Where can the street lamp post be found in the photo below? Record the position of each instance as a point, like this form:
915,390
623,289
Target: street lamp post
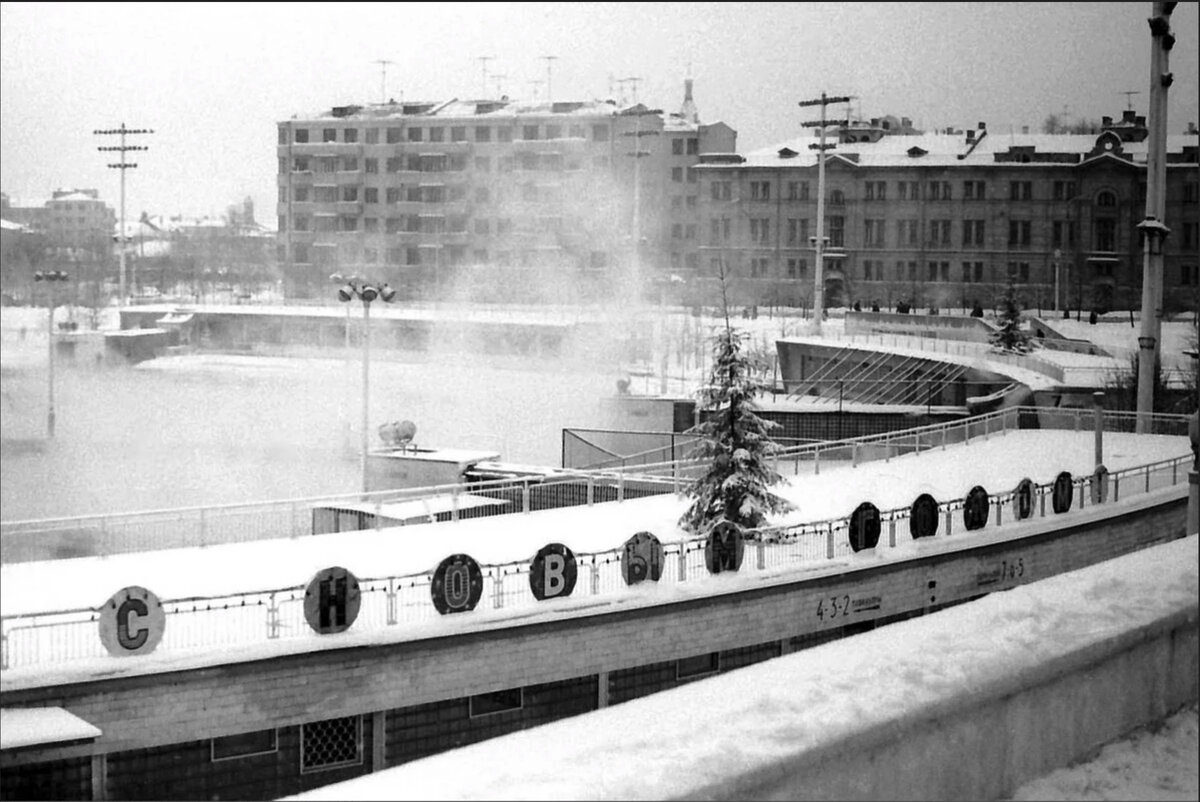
344,409
50,277
365,293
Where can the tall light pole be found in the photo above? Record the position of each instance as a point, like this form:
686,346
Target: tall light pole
383,65
50,277
365,293
1153,230
344,409
122,165
819,240
638,154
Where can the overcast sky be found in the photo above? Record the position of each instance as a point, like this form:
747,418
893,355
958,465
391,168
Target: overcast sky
212,79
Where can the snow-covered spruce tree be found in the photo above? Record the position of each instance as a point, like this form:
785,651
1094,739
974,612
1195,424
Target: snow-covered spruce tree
733,440
1009,335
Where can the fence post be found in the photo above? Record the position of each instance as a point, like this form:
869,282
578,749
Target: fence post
498,588
525,496
378,514
454,503
1042,514
391,602
816,460
591,489
1147,478
272,617
595,577
682,562
892,533
829,542
949,521
620,487
1116,477
854,455
762,554
999,513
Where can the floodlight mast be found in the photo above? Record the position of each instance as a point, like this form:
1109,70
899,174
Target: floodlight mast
122,165
819,244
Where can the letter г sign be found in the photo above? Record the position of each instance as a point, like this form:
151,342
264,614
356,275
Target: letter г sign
132,622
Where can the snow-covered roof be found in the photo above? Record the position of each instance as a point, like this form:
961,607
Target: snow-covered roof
33,726
9,225
456,108
950,150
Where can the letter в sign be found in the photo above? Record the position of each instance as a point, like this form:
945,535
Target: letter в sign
457,584
552,572
331,600
132,622
923,520
865,526
641,559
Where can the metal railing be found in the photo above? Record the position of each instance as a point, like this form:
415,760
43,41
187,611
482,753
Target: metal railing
63,636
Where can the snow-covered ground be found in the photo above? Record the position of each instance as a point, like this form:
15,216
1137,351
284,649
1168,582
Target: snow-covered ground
1157,762
703,738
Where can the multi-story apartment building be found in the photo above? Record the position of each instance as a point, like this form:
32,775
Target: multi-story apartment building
943,219
75,222
432,196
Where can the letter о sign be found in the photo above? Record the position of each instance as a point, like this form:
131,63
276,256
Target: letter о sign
132,622
457,584
552,572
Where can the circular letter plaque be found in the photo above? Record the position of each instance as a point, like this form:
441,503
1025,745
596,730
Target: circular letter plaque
865,526
132,622
976,508
552,572
331,600
641,559
923,520
457,584
1023,499
1064,491
724,547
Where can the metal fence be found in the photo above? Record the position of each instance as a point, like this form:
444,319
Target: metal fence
57,637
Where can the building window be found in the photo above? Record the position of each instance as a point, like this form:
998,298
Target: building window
759,266
529,132
1191,192
350,135
348,223
909,190
698,666
939,232
1019,271
972,233
1064,190
797,190
837,197
693,147
437,134
349,164
797,229
677,231
350,194
1106,234
939,271
909,231
1190,234
876,190
600,133
873,232
677,147
331,744
371,165
327,164
394,135
972,272
1019,233
692,176
416,134
1106,199
329,135
974,190
1020,190
458,133
760,190
722,190
677,174
760,230
797,268
300,165
486,704
689,231
372,136
371,226
301,136
1062,234
872,270
836,231
283,135
1189,276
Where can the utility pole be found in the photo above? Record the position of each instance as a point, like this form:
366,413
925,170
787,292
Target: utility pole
122,165
1153,230
383,64
483,60
549,63
819,240
499,81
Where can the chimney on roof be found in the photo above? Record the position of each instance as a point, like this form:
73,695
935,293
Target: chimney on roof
1106,122
688,111
1191,129
982,126
1127,116
905,122
970,135
1140,121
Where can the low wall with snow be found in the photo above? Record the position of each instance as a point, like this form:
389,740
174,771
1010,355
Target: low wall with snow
967,703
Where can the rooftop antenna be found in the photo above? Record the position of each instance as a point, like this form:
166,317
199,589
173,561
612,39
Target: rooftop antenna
1129,98
533,88
483,60
382,62
499,79
634,80
549,63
